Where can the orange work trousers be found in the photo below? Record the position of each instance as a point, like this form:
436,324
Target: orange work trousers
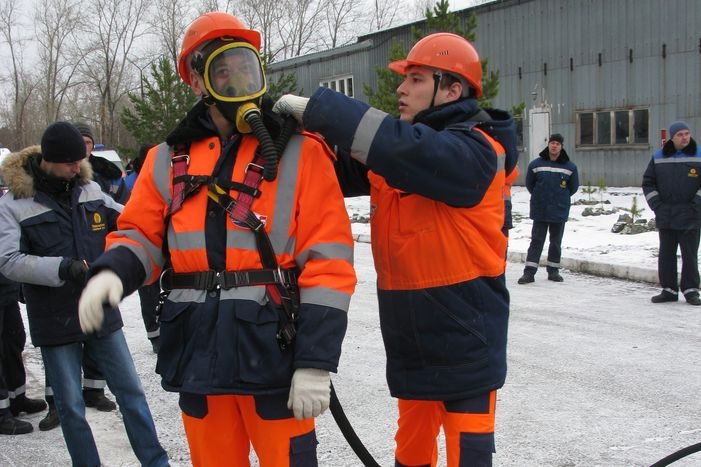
223,437
468,425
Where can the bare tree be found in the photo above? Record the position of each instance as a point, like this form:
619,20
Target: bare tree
55,22
385,13
264,16
215,5
299,33
341,16
170,20
22,85
119,25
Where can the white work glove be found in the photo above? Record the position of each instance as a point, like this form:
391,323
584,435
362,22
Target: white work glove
310,392
291,105
103,287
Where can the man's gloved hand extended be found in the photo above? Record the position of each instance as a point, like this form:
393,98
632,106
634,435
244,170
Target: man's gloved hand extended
291,105
310,392
104,287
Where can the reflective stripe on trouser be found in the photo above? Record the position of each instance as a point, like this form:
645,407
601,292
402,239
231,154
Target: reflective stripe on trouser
468,425
223,436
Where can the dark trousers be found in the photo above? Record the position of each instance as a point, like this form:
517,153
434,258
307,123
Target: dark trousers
148,295
12,339
538,233
688,243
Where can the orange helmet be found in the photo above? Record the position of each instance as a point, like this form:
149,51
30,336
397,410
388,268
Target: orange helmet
447,52
211,26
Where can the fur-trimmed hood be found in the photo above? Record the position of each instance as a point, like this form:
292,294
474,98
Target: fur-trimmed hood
19,178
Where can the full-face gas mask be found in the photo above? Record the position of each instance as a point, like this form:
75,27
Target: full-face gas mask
232,73
235,83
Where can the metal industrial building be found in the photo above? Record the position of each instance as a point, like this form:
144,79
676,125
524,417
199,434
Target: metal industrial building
609,75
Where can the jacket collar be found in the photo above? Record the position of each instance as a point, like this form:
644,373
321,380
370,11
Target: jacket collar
669,150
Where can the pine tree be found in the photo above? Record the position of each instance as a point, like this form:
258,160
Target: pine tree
438,19
163,102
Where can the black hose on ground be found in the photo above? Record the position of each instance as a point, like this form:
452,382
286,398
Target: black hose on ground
675,456
349,433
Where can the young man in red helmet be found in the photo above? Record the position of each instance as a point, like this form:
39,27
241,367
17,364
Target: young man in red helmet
260,260
436,177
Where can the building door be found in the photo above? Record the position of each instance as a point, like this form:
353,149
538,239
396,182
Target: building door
538,129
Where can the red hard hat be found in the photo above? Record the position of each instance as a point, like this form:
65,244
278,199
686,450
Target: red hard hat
448,52
211,26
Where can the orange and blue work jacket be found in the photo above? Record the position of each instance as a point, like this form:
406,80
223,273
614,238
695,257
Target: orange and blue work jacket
437,199
224,341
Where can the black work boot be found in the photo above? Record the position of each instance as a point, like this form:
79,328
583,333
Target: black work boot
9,425
693,299
555,277
22,403
51,420
526,278
664,297
96,398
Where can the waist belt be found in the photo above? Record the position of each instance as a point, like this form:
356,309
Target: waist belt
212,280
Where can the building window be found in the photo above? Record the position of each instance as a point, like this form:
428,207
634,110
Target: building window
612,128
343,85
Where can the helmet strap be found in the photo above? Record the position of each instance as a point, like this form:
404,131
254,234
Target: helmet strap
437,76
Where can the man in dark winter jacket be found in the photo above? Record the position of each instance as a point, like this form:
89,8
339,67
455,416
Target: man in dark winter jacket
93,381
671,186
53,223
551,180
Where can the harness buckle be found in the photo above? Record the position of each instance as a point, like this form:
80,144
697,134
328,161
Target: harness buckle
160,279
177,158
251,165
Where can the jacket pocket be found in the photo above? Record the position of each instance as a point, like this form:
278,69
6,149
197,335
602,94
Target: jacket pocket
415,213
450,326
178,325
439,327
260,359
45,236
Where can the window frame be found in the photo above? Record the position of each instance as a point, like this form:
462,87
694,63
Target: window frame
342,84
594,119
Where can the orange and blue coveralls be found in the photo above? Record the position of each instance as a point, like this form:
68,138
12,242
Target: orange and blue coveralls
219,347
437,212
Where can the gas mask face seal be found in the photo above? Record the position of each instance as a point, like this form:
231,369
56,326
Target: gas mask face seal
233,73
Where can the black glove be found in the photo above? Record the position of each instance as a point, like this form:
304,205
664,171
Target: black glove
73,270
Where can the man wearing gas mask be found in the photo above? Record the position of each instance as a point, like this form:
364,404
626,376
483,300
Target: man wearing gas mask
249,219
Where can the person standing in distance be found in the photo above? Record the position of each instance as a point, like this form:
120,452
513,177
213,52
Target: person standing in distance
551,179
437,183
671,185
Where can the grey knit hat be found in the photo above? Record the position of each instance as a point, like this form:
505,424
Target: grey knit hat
85,130
676,127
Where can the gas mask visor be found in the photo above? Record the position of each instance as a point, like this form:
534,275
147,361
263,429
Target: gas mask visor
234,73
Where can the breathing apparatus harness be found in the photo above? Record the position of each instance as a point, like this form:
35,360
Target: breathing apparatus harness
281,284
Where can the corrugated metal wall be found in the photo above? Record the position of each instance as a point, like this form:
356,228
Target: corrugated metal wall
574,53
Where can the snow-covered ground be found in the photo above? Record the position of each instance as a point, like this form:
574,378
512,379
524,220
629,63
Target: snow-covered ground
598,376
